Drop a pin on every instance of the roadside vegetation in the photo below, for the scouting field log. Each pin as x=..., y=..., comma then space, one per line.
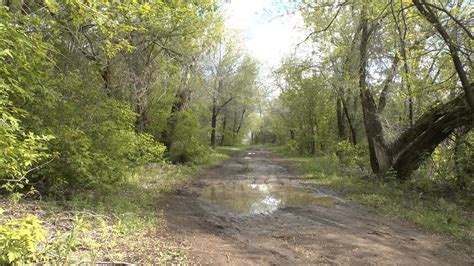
x=119, y=223
x=432, y=202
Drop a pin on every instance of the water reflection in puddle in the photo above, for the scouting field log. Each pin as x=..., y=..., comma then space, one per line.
x=262, y=198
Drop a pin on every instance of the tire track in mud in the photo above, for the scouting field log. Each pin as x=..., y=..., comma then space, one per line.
x=341, y=232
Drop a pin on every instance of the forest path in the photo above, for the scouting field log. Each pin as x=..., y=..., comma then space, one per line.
x=254, y=209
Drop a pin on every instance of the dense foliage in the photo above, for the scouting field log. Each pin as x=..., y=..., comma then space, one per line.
x=90, y=91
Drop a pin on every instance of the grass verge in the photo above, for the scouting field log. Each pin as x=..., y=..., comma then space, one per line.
x=121, y=223
x=411, y=201
x=229, y=150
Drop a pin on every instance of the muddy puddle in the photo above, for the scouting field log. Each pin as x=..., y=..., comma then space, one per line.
x=248, y=198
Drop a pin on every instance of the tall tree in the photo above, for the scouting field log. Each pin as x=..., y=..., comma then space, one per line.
x=375, y=39
x=231, y=75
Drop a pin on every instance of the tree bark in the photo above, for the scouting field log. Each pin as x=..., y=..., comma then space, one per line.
x=213, y=123
x=419, y=141
x=234, y=126
x=292, y=134
x=182, y=98
x=240, y=124
x=387, y=83
x=403, y=52
x=142, y=119
x=373, y=126
x=350, y=122
x=214, y=114
x=224, y=122
x=106, y=74
x=341, y=129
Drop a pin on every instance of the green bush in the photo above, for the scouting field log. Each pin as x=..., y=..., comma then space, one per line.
x=22, y=73
x=19, y=240
x=352, y=156
x=189, y=140
x=146, y=149
x=292, y=145
x=98, y=147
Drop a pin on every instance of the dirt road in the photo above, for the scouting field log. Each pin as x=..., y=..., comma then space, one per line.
x=253, y=209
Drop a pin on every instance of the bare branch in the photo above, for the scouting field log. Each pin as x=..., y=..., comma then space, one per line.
x=327, y=26
x=457, y=21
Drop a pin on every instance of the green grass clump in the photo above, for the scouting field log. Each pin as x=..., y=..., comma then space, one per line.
x=229, y=150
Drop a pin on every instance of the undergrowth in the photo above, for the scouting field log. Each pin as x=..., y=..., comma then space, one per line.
x=416, y=200
x=119, y=223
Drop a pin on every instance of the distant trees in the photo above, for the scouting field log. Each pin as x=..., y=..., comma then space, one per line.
x=230, y=80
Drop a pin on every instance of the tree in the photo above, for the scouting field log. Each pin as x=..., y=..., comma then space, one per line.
x=230, y=77
x=365, y=53
x=93, y=83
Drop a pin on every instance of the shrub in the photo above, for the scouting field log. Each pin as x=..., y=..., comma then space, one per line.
x=351, y=155
x=22, y=73
x=99, y=147
x=19, y=240
x=189, y=140
x=292, y=145
x=146, y=149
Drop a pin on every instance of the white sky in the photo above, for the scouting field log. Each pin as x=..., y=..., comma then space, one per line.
x=268, y=35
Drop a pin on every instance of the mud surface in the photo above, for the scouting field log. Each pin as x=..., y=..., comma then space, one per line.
x=253, y=209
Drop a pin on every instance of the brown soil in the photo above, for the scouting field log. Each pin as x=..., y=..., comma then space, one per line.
x=342, y=233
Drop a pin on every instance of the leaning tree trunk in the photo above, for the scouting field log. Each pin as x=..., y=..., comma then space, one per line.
x=408, y=151
x=414, y=145
x=419, y=141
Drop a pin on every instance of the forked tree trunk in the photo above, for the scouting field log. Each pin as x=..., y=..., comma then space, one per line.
x=419, y=141
x=408, y=151
x=373, y=126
